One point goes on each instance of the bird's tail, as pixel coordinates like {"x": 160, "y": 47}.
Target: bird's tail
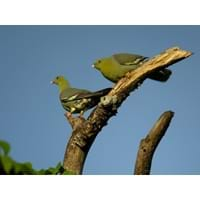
{"x": 162, "y": 75}
{"x": 99, "y": 93}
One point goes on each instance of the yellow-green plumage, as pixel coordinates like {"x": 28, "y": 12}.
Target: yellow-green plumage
{"x": 76, "y": 100}
{"x": 116, "y": 66}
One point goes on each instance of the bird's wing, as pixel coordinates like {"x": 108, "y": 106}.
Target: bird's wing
{"x": 84, "y": 94}
{"x": 128, "y": 59}
{"x": 72, "y": 94}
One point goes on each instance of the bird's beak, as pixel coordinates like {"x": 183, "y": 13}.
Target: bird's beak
{"x": 52, "y": 82}
{"x": 93, "y": 65}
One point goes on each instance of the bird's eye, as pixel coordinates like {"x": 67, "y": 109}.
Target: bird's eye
{"x": 99, "y": 61}
{"x": 57, "y": 77}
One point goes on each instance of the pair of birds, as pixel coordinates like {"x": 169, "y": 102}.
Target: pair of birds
{"x": 113, "y": 68}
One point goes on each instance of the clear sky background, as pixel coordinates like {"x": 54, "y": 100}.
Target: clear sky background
{"x": 32, "y": 119}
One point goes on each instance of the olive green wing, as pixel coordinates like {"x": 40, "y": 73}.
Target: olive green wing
{"x": 128, "y": 59}
{"x": 68, "y": 99}
{"x": 95, "y": 94}
{"x": 77, "y": 94}
{"x": 71, "y": 94}
{"x": 78, "y": 100}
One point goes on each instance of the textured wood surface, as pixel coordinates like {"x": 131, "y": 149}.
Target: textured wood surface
{"x": 85, "y": 130}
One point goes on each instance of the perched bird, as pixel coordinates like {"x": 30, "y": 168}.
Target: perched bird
{"x": 115, "y": 67}
{"x": 76, "y": 100}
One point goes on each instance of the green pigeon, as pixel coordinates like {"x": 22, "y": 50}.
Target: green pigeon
{"x": 76, "y": 100}
{"x": 116, "y": 66}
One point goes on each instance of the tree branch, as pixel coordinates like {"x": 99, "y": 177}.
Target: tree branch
{"x": 86, "y": 131}
{"x": 149, "y": 144}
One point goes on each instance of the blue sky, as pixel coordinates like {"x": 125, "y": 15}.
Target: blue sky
{"x": 32, "y": 119}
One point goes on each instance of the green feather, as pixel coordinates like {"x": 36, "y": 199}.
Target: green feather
{"x": 76, "y": 100}
{"x": 116, "y": 66}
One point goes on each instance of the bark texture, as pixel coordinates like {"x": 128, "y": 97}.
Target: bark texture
{"x": 149, "y": 144}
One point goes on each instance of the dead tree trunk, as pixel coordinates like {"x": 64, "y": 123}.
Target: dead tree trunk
{"x": 149, "y": 144}
{"x": 85, "y": 130}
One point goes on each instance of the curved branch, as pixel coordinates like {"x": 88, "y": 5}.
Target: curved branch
{"x": 149, "y": 144}
{"x": 86, "y": 131}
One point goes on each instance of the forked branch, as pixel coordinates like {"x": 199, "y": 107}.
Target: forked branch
{"x": 85, "y": 131}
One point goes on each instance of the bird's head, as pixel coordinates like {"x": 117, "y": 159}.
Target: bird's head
{"x": 58, "y": 80}
{"x": 61, "y": 82}
{"x": 100, "y": 64}
{"x": 97, "y": 64}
